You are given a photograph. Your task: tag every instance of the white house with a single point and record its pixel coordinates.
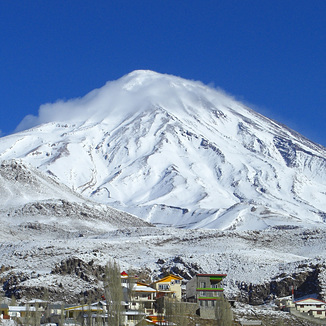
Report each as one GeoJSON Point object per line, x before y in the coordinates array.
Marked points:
{"type": "Point", "coordinates": [308, 304]}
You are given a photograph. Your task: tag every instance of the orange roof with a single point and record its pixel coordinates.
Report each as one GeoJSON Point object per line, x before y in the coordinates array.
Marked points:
{"type": "Point", "coordinates": [155, 319]}
{"type": "Point", "coordinates": [169, 278]}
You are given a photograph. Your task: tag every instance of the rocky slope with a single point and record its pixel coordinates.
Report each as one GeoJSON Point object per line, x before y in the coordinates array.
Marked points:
{"type": "Point", "coordinates": [31, 200]}
{"type": "Point", "coordinates": [260, 265]}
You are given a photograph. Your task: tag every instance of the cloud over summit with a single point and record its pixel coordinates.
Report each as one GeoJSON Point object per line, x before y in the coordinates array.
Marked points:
{"type": "Point", "coordinates": [139, 90]}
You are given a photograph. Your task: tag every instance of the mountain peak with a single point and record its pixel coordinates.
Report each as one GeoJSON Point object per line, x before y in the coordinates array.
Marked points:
{"type": "Point", "coordinates": [144, 73]}
{"type": "Point", "coordinates": [177, 152]}
{"type": "Point", "coordinates": [133, 93]}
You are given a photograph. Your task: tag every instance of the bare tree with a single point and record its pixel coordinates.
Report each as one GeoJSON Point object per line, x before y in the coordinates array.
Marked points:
{"type": "Point", "coordinates": [46, 298]}
{"type": "Point", "coordinates": [36, 320]}
{"type": "Point", "coordinates": [13, 300]}
{"type": "Point", "coordinates": [99, 315]}
{"type": "Point", "coordinates": [62, 315]}
{"type": "Point", "coordinates": [113, 293]}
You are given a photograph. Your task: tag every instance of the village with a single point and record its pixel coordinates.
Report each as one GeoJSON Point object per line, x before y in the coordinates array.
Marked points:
{"type": "Point", "coordinates": [168, 301]}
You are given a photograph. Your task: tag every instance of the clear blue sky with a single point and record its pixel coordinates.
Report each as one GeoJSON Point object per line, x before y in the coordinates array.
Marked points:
{"type": "Point", "coordinates": [268, 53]}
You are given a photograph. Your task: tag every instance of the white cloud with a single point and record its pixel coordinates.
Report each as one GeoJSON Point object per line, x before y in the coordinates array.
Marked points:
{"type": "Point", "coordinates": [139, 90]}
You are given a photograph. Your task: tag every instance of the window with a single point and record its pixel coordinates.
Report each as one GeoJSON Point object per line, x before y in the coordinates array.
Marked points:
{"type": "Point", "coordinates": [163, 287]}
{"type": "Point", "coordinates": [202, 284]}
{"type": "Point", "coordinates": [203, 303]}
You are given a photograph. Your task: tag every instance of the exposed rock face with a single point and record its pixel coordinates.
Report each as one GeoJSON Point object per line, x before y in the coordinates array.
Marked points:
{"type": "Point", "coordinates": [75, 266]}
{"type": "Point", "coordinates": [179, 267]}
{"type": "Point", "coordinates": [11, 284]}
{"type": "Point", "coordinates": [306, 282]}
{"type": "Point", "coordinates": [90, 276]}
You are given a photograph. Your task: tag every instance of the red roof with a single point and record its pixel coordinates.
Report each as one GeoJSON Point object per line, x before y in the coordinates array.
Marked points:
{"type": "Point", "coordinates": [212, 275]}
{"type": "Point", "coordinates": [302, 301]}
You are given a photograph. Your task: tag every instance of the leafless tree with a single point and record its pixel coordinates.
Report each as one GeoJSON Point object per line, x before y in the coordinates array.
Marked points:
{"type": "Point", "coordinates": [113, 293]}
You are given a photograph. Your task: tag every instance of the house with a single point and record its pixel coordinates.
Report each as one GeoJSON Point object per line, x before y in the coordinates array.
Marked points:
{"type": "Point", "coordinates": [39, 305]}
{"type": "Point", "coordinates": [143, 298]}
{"type": "Point", "coordinates": [285, 303]}
{"type": "Point", "coordinates": [4, 311]}
{"type": "Point", "coordinates": [205, 289]}
{"type": "Point", "coordinates": [309, 304]}
{"type": "Point", "coordinates": [77, 312]}
{"type": "Point", "coordinates": [140, 301]}
{"type": "Point", "coordinates": [55, 309]}
{"type": "Point", "coordinates": [314, 307]}
{"type": "Point", "coordinates": [54, 314]}
{"type": "Point", "coordinates": [23, 313]}
{"type": "Point", "coordinates": [132, 317]}
{"type": "Point", "coordinates": [126, 279]}
{"type": "Point", "coordinates": [169, 285]}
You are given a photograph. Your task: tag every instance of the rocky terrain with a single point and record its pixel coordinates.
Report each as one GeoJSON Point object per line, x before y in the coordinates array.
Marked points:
{"type": "Point", "coordinates": [260, 265]}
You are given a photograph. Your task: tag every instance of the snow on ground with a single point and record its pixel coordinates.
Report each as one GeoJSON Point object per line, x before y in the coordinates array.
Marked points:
{"type": "Point", "coordinates": [253, 257]}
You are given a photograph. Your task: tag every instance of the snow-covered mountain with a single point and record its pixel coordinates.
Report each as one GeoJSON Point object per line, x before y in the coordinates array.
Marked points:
{"type": "Point", "coordinates": [31, 200]}
{"type": "Point", "coordinates": [173, 152]}
{"type": "Point", "coordinates": [176, 152]}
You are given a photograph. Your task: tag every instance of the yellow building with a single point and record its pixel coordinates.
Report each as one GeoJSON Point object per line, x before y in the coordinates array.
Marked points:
{"type": "Point", "coordinates": [169, 285]}
{"type": "Point", "coordinates": [4, 311]}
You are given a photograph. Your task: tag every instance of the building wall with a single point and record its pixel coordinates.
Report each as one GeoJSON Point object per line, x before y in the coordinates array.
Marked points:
{"type": "Point", "coordinates": [318, 314]}
{"type": "Point", "coordinates": [176, 288]}
{"type": "Point", "coordinates": [207, 309]}
{"type": "Point", "coordinates": [191, 289]}
{"type": "Point", "coordinates": [204, 289]}
{"type": "Point", "coordinates": [170, 284]}
{"type": "Point", "coordinates": [306, 308]}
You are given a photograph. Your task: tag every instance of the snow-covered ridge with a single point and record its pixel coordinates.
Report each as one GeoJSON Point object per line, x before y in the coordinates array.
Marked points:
{"type": "Point", "coordinates": [176, 152]}
{"type": "Point", "coordinates": [30, 198]}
